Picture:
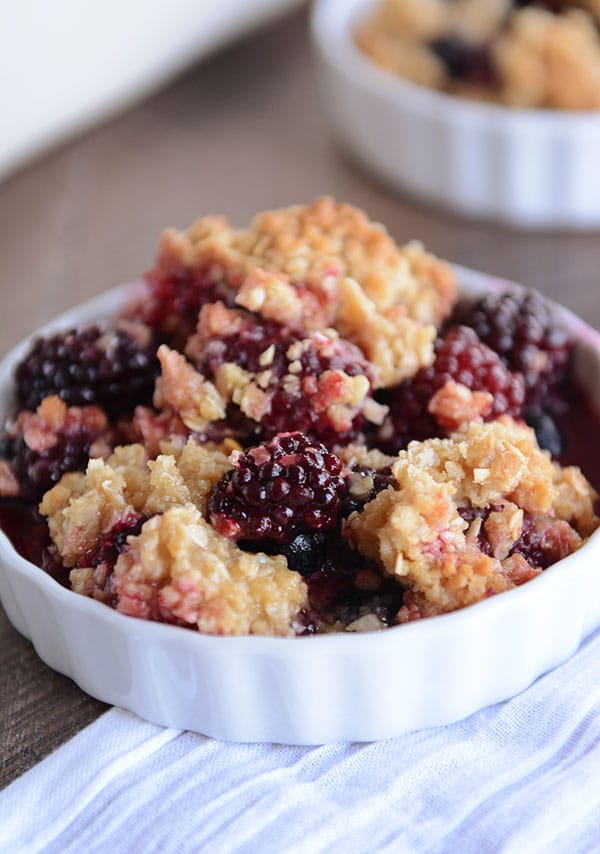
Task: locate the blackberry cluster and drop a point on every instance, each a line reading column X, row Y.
column 463, row 358
column 88, row 366
column 246, row 347
column 519, row 325
column 279, row 490
column 175, row 299
column 290, row 403
column 38, row 471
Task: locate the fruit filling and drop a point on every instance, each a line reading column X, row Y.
column 297, row 430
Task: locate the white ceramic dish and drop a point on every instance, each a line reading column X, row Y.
column 532, row 168
column 310, row 690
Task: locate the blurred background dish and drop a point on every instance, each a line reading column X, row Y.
column 538, row 55
column 530, row 168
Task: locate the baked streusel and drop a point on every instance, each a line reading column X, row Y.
column 522, row 54
column 298, row 429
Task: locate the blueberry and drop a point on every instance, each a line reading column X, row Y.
column 306, row 553
column 547, row 433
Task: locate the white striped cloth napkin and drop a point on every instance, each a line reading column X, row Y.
column 521, row 776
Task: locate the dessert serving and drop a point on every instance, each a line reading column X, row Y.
column 299, row 428
column 542, row 54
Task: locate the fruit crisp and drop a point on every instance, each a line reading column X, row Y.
column 521, row 53
column 298, row 429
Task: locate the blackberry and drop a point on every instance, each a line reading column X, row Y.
column 539, row 543
column 246, row 347
column 463, row 61
column 291, row 362
column 39, row 471
column 175, row 299
column 547, row 433
column 114, row 542
column 41, row 446
column 463, row 358
column 104, row 557
column 307, row 552
column 519, row 325
column 278, row 490
column 109, row 368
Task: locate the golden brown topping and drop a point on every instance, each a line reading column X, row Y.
column 81, row 508
column 274, row 297
column 180, row 568
column 181, row 387
column 395, row 345
column 359, row 455
column 314, row 246
column 418, row 534
column 503, row 528
column 454, row 405
column 575, row 499
column 485, row 464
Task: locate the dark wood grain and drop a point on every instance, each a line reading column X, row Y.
column 239, row 134
column 39, row 708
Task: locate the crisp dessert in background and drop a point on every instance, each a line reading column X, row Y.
column 542, row 54
column 298, row 429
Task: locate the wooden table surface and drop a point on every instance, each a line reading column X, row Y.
column 241, row 133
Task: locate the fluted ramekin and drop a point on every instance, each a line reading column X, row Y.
column 310, row 690
column 529, row 168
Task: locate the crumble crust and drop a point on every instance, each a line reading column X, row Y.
column 186, row 392
column 82, row 508
column 454, row 405
column 314, row 246
column 180, row 568
column 418, row 535
column 396, row 345
column 359, row 455
column 486, row 464
column 416, row 532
